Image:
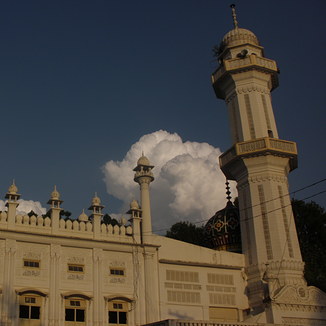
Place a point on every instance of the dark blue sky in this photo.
(81, 81)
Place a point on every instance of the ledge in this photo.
(260, 146)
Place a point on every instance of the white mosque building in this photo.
(62, 272)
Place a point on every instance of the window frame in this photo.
(27, 301)
(120, 308)
(70, 304)
(117, 269)
(26, 262)
(82, 271)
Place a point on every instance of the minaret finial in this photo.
(234, 16)
(228, 192)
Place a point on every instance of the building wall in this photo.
(164, 279)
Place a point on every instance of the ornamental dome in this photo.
(55, 195)
(83, 217)
(134, 204)
(223, 229)
(143, 160)
(96, 201)
(13, 188)
(238, 36)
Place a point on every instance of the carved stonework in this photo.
(32, 255)
(55, 251)
(117, 263)
(97, 254)
(254, 88)
(268, 177)
(31, 273)
(301, 295)
(118, 280)
(76, 260)
(303, 321)
(11, 246)
(78, 277)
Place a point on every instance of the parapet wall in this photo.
(71, 228)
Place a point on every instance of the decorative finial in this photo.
(234, 16)
(13, 188)
(228, 192)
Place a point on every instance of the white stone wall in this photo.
(145, 288)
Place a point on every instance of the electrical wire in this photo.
(267, 201)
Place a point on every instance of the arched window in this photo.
(30, 307)
(118, 311)
(75, 309)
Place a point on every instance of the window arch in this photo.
(75, 309)
(118, 311)
(30, 310)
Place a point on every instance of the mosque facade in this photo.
(62, 272)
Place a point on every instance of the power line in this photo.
(276, 209)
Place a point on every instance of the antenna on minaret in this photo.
(234, 16)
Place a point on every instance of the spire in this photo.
(55, 200)
(96, 206)
(12, 194)
(234, 16)
(83, 217)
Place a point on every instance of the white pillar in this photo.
(146, 209)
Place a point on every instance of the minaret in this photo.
(259, 162)
(55, 209)
(135, 219)
(12, 197)
(96, 216)
(144, 176)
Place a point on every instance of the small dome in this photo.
(55, 195)
(134, 204)
(143, 161)
(223, 229)
(96, 201)
(83, 217)
(238, 36)
(13, 189)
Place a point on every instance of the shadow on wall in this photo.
(9, 309)
(178, 315)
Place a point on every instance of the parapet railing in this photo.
(285, 147)
(81, 229)
(249, 61)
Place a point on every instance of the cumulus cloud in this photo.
(188, 185)
(25, 206)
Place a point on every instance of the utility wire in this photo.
(252, 217)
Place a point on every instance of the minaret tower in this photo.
(259, 162)
(144, 176)
(12, 197)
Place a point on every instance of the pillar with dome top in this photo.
(96, 215)
(55, 209)
(12, 197)
(135, 219)
(144, 176)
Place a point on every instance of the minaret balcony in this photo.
(258, 147)
(252, 61)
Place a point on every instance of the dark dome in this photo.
(223, 229)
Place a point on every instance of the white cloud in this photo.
(188, 185)
(25, 206)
